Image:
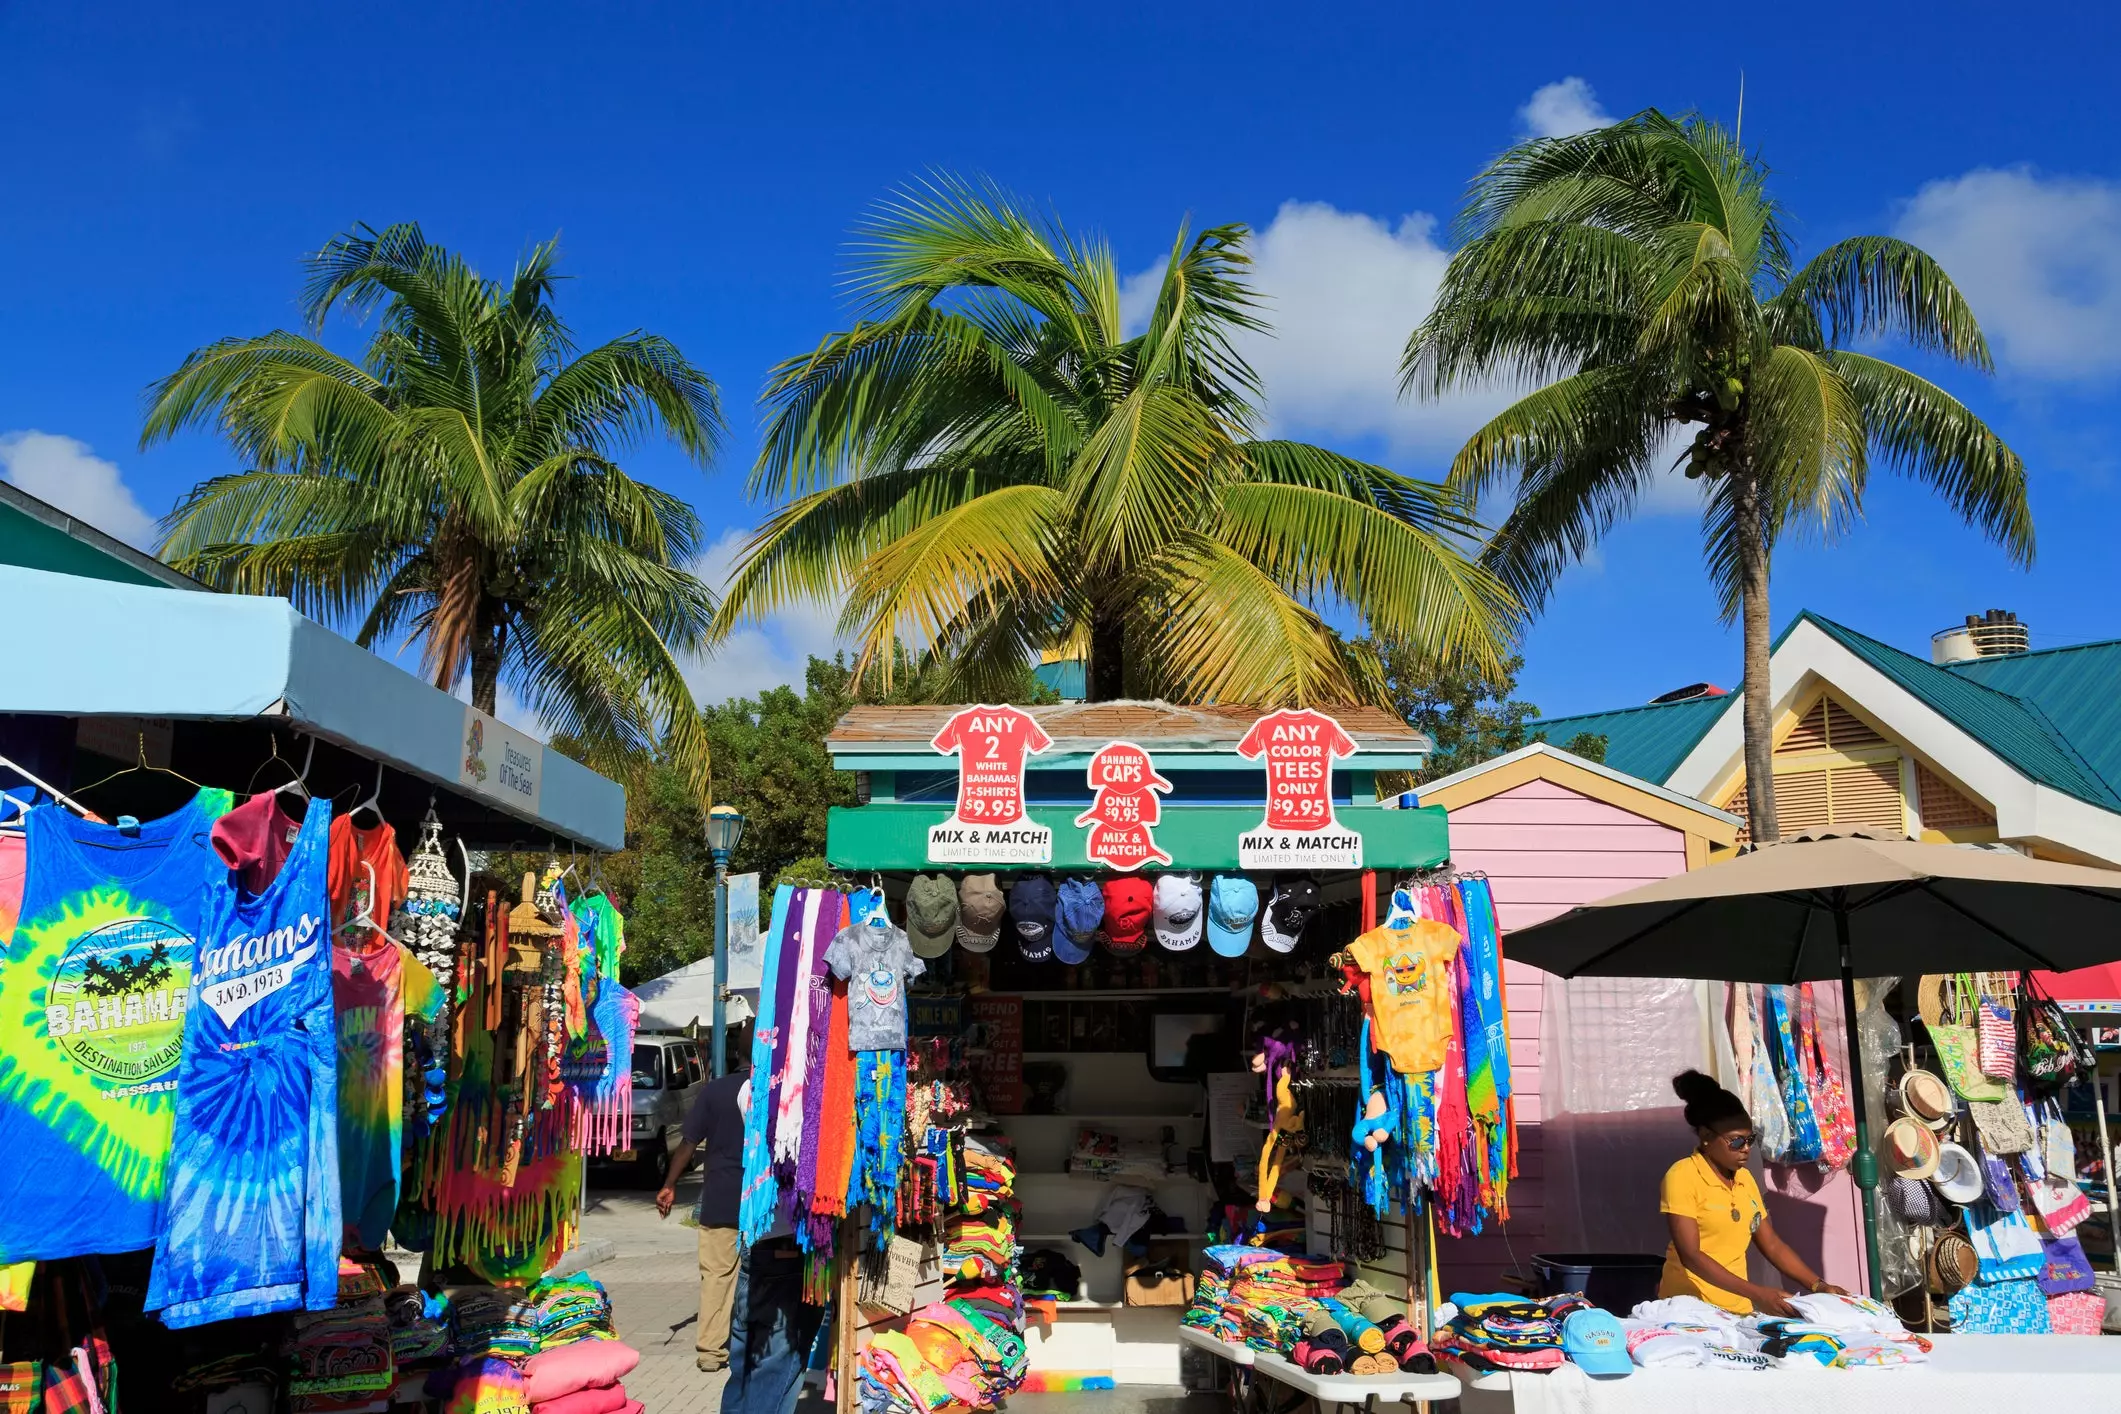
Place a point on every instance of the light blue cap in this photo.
(1233, 906)
(1597, 1343)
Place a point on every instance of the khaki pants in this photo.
(718, 1264)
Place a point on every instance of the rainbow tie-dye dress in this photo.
(92, 1006)
(253, 1221)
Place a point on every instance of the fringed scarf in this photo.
(787, 963)
(1457, 1191)
(1487, 1046)
(793, 1128)
(508, 1234)
(836, 1117)
(880, 1107)
(755, 1210)
(604, 1122)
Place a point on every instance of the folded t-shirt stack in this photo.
(490, 1320)
(1502, 1331)
(340, 1360)
(1099, 1153)
(1838, 1332)
(571, 1308)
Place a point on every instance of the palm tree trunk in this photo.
(1105, 675)
(489, 643)
(1759, 692)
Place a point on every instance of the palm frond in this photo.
(1872, 286)
(1224, 631)
(1931, 436)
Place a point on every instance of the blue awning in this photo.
(80, 647)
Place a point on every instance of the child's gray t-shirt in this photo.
(877, 962)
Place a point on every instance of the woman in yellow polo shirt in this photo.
(1713, 1208)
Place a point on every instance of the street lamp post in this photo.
(725, 827)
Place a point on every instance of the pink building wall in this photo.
(1547, 849)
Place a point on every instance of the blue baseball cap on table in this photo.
(1233, 904)
(1080, 919)
(1597, 1343)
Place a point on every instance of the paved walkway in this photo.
(654, 1280)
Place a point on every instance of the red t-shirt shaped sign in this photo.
(989, 825)
(1123, 808)
(1298, 749)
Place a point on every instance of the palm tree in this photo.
(1641, 272)
(458, 486)
(989, 465)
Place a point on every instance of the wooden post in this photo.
(848, 1253)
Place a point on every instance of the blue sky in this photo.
(166, 167)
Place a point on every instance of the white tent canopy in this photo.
(680, 997)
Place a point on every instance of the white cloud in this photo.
(1562, 110)
(68, 474)
(1343, 291)
(2039, 259)
(762, 655)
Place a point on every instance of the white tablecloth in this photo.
(1968, 1374)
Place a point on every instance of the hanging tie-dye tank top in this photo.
(254, 1167)
(92, 1004)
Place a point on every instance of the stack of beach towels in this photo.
(1837, 1332)
(965, 1352)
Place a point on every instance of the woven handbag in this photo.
(2002, 1125)
(1957, 1042)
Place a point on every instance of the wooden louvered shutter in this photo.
(1802, 802)
(1867, 797)
(1944, 808)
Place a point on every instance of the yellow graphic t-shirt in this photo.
(1410, 990)
(1727, 1215)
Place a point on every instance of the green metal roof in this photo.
(37, 535)
(1648, 741)
(2015, 728)
(2078, 688)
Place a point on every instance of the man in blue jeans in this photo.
(771, 1336)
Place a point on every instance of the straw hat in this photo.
(1958, 1174)
(1927, 1098)
(1952, 1263)
(1911, 1149)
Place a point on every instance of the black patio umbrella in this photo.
(1828, 907)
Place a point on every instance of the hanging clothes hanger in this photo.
(374, 802)
(300, 783)
(366, 917)
(139, 765)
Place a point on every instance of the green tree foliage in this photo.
(1472, 715)
(769, 762)
(459, 486)
(987, 464)
(1641, 279)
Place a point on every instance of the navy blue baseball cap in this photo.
(1032, 904)
(1081, 918)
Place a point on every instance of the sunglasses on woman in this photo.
(1740, 1141)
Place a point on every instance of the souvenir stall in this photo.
(298, 1100)
(1119, 993)
(1979, 1269)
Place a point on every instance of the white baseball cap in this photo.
(1178, 912)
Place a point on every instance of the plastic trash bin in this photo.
(1614, 1280)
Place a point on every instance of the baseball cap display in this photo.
(979, 913)
(931, 914)
(1178, 912)
(1081, 915)
(1233, 903)
(1596, 1342)
(1128, 904)
(1032, 901)
(1281, 926)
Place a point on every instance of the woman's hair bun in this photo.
(1708, 1104)
(1694, 1087)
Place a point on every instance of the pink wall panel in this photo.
(1545, 849)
